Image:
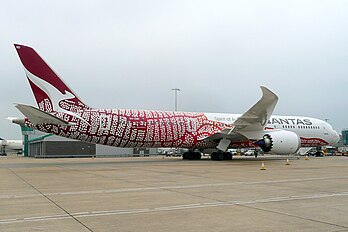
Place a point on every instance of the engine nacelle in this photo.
(280, 142)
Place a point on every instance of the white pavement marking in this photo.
(171, 208)
(172, 187)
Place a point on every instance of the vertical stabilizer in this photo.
(50, 91)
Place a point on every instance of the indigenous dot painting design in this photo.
(137, 128)
(144, 128)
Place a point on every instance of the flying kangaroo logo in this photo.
(54, 94)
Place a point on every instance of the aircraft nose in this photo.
(336, 138)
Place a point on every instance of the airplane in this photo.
(61, 112)
(10, 145)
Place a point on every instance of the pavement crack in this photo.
(51, 200)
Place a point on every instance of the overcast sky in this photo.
(130, 54)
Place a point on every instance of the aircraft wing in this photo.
(258, 115)
(37, 116)
(252, 122)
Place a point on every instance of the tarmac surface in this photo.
(170, 194)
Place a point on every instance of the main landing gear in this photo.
(2, 151)
(192, 155)
(219, 155)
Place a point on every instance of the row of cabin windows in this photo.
(300, 127)
(182, 122)
(157, 123)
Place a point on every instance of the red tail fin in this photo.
(51, 93)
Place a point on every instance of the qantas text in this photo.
(290, 121)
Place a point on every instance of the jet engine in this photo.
(280, 142)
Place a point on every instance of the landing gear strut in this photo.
(2, 151)
(192, 155)
(219, 155)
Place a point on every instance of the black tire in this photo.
(198, 155)
(184, 156)
(213, 156)
(227, 156)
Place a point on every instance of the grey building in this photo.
(42, 145)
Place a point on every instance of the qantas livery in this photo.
(61, 112)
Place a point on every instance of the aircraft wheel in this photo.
(227, 156)
(213, 156)
(184, 156)
(217, 155)
(220, 156)
(198, 155)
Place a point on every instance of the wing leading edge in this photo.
(258, 115)
(253, 120)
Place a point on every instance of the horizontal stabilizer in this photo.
(19, 121)
(37, 116)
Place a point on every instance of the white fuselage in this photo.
(13, 145)
(310, 130)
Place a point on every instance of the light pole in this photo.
(176, 99)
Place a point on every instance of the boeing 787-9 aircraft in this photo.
(61, 112)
